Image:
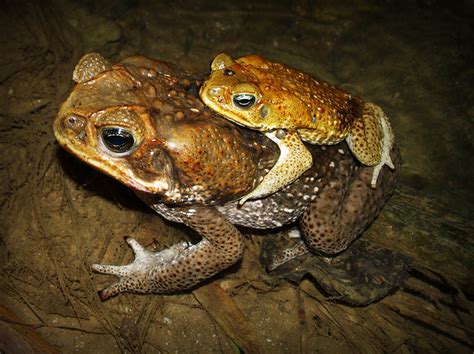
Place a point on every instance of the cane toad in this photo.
(141, 121)
(290, 106)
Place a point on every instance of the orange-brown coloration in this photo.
(267, 96)
(118, 96)
(187, 164)
(295, 100)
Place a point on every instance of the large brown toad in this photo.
(141, 122)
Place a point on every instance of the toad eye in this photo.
(243, 100)
(117, 140)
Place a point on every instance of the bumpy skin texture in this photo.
(192, 167)
(176, 139)
(333, 226)
(169, 270)
(294, 159)
(264, 95)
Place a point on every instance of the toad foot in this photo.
(131, 275)
(387, 143)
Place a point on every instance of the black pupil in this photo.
(117, 139)
(228, 72)
(244, 100)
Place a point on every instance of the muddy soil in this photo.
(59, 216)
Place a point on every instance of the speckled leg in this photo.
(183, 265)
(346, 207)
(293, 161)
(288, 254)
(371, 140)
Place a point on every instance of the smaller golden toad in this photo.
(290, 106)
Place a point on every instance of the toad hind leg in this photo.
(345, 208)
(293, 161)
(371, 140)
(183, 265)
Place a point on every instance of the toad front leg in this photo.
(293, 161)
(183, 265)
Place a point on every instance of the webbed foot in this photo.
(363, 274)
(183, 265)
(133, 276)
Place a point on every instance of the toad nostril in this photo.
(74, 123)
(215, 91)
